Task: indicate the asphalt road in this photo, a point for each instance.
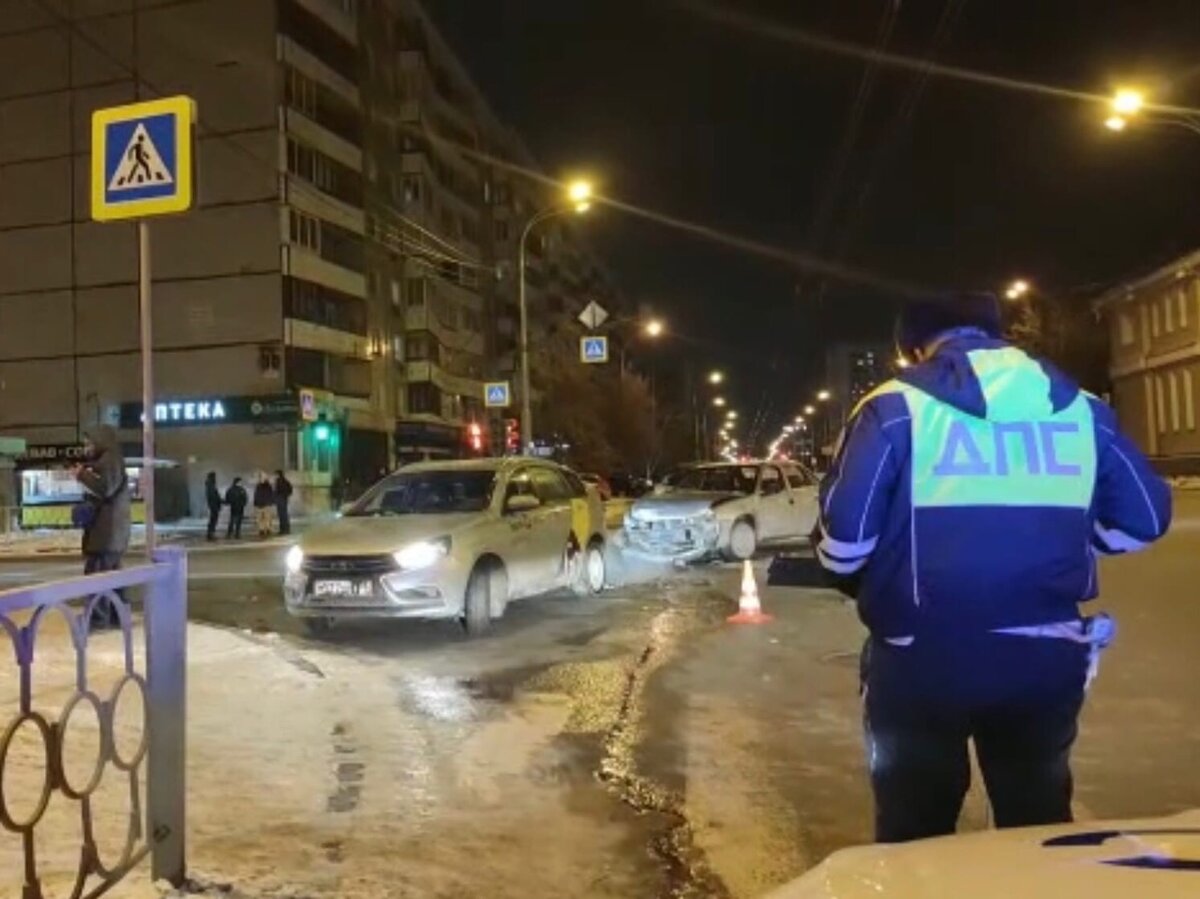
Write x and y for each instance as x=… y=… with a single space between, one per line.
x=634 y=744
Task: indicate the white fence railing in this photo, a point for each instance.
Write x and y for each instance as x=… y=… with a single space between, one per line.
x=156 y=825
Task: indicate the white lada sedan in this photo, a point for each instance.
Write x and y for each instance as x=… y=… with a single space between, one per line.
x=451 y=540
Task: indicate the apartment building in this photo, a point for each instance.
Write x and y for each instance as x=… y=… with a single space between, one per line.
x=1154 y=344
x=350 y=238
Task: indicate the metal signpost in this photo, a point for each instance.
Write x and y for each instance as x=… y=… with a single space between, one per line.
x=142 y=166
x=593 y=349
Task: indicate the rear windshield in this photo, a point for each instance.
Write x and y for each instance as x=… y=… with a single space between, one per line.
x=427 y=493
x=722 y=479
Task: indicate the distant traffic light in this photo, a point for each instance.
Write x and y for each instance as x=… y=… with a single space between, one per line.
x=512 y=435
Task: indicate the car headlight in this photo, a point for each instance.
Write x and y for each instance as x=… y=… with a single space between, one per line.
x=295 y=559
x=421 y=555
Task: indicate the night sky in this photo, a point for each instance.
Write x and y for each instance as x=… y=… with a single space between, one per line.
x=942 y=183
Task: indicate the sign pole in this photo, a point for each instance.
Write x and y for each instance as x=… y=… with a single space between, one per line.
x=147 y=381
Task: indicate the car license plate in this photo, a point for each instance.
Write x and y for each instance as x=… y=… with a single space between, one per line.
x=343 y=589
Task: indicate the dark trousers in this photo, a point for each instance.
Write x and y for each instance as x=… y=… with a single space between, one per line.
x=104 y=615
x=214 y=515
x=285 y=519
x=234 y=531
x=918 y=735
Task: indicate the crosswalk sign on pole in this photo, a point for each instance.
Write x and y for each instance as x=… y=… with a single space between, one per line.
x=593 y=349
x=497 y=395
x=142 y=159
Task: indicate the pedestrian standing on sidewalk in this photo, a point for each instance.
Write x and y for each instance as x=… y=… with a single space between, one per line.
x=964 y=511
x=264 y=502
x=104 y=514
x=283 y=496
x=235 y=498
x=212 y=496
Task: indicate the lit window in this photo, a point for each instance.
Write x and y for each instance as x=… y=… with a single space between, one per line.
x=1183 y=308
x=1125 y=329
x=1189 y=401
x=1169 y=313
x=1154 y=321
x=1173 y=383
x=1160 y=404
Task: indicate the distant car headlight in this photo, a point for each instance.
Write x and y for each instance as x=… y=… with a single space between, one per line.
x=421 y=555
x=295 y=559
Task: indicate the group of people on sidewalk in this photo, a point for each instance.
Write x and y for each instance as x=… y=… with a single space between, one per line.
x=271 y=501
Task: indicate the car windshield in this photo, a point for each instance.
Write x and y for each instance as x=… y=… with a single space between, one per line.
x=427 y=493
x=718 y=479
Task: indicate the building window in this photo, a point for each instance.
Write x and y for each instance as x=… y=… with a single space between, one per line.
x=424 y=399
x=1169 y=313
x=414 y=292
x=305 y=230
x=326 y=174
x=421 y=348
x=1173 y=384
x=501 y=230
x=1160 y=405
x=1183 y=307
x=321 y=305
x=1189 y=400
x=412 y=189
x=1154 y=322
x=311 y=33
x=1125 y=329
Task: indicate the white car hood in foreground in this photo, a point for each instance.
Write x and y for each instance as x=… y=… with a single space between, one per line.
x=382 y=534
x=1149 y=859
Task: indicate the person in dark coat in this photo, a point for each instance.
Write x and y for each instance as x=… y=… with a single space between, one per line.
x=106 y=492
x=235 y=498
x=283 y=495
x=213 y=497
x=264 y=502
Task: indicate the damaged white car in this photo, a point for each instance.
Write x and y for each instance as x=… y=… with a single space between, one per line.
x=725 y=509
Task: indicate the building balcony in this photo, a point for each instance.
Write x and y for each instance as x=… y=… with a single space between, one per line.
x=429 y=372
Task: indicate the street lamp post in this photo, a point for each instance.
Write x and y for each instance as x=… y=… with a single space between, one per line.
x=579 y=201
x=1128 y=105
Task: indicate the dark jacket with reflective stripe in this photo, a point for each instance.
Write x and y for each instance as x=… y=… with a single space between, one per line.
x=973 y=493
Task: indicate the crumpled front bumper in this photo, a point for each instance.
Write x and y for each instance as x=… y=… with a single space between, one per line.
x=673 y=539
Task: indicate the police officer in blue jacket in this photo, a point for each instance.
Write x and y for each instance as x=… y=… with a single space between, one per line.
x=968 y=502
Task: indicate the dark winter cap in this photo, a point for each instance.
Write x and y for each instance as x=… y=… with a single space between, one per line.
x=920 y=321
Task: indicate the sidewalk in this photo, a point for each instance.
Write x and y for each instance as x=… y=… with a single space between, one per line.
x=56 y=543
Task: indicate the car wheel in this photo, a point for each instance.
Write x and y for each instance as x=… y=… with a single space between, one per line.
x=477 y=605
x=592 y=570
x=743 y=541
x=318 y=627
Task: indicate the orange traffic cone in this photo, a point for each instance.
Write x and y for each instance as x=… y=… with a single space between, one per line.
x=749 y=608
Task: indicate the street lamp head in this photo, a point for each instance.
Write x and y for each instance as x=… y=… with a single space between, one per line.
x=1115 y=123
x=809 y=410
x=716 y=377
x=655 y=328
x=579 y=193
x=719 y=401
x=824 y=396
x=731 y=414
x=1127 y=102
x=799 y=419
x=1017 y=289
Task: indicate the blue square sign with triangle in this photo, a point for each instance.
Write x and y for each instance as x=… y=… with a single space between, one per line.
x=593 y=349
x=142 y=159
x=497 y=395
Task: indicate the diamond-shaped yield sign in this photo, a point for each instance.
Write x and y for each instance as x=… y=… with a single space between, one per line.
x=593 y=350
x=497 y=395
x=593 y=316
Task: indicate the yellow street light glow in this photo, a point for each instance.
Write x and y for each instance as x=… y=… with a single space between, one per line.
x=580 y=195
x=731 y=414
x=1127 y=102
x=809 y=410
x=901 y=362
x=824 y=396
x=1115 y=123
x=716 y=377
x=718 y=401
x=655 y=328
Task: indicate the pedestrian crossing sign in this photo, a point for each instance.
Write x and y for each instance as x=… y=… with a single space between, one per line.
x=593 y=349
x=497 y=395
x=142 y=159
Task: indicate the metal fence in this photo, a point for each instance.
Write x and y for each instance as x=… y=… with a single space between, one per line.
x=156 y=824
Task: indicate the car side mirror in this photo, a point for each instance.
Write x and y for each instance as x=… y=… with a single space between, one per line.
x=522 y=502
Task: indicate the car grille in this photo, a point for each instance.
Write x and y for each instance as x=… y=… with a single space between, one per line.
x=349 y=566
